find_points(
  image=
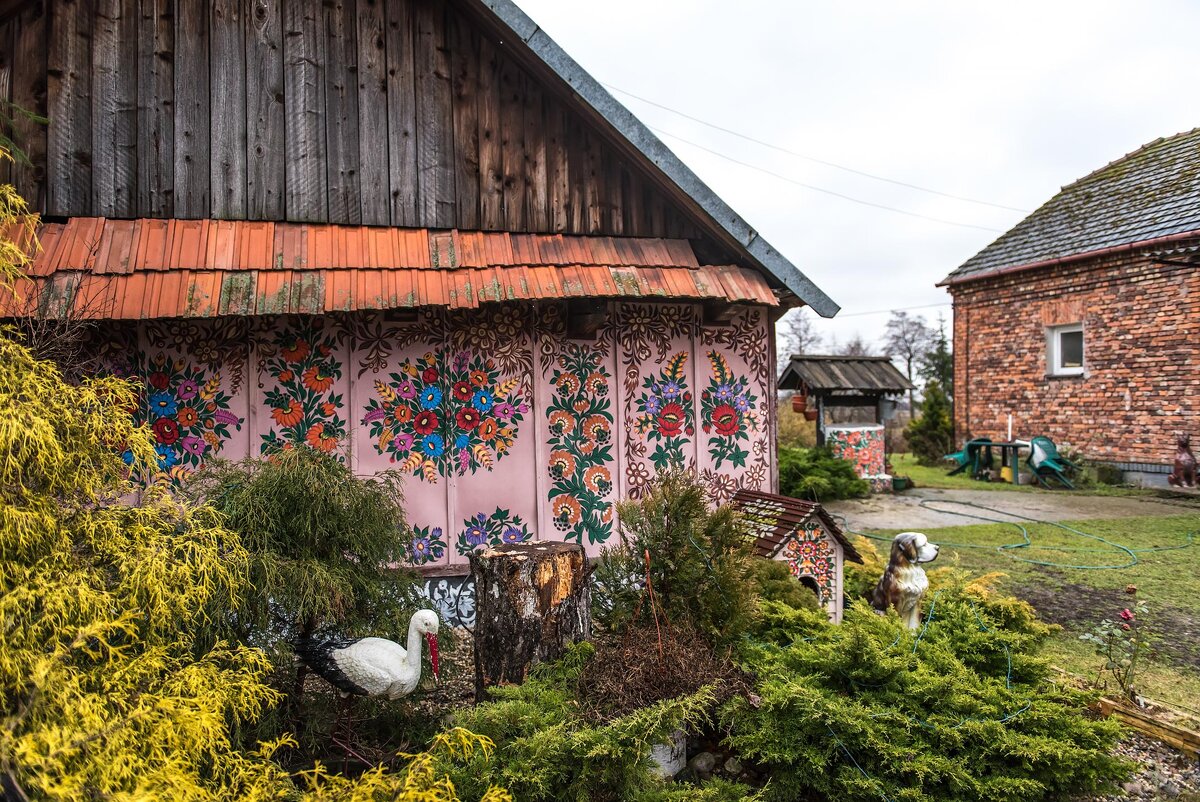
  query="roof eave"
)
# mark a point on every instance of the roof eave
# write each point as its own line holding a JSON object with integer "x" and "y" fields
{"x": 589, "y": 90}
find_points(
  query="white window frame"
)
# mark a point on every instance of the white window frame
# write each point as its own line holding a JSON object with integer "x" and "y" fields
{"x": 1054, "y": 366}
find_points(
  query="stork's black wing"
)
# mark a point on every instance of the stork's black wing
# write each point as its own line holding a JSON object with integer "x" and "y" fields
{"x": 319, "y": 656}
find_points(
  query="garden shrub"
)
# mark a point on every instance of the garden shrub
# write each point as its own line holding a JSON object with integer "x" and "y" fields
{"x": 773, "y": 581}
{"x": 931, "y": 436}
{"x": 699, "y": 562}
{"x": 960, "y": 710}
{"x": 815, "y": 473}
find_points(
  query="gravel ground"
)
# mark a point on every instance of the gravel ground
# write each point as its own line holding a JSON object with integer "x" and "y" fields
{"x": 1164, "y": 773}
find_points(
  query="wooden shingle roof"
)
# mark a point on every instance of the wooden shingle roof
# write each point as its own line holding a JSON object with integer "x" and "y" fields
{"x": 1148, "y": 196}
{"x": 770, "y": 520}
{"x": 868, "y": 375}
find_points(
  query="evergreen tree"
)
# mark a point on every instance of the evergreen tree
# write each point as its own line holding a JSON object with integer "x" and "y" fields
{"x": 937, "y": 364}
{"x": 931, "y": 436}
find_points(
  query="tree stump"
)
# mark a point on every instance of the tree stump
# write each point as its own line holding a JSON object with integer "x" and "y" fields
{"x": 531, "y": 602}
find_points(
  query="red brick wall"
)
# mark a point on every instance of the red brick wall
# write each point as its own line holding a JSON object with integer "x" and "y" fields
{"x": 1141, "y": 324}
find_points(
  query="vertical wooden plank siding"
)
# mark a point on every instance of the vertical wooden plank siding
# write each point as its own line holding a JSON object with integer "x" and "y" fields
{"x": 69, "y": 82}
{"x": 228, "y": 122}
{"x": 402, "y": 113}
{"x": 265, "y": 142}
{"x": 558, "y": 198}
{"x": 29, "y": 92}
{"x": 192, "y": 110}
{"x": 304, "y": 111}
{"x": 156, "y": 108}
{"x": 341, "y": 112}
{"x": 114, "y": 108}
{"x": 435, "y": 133}
{"x": 8, "y": 34}
{"x": 373, "y": 113}
{"x": 537, "y": 209}
{"x": 491, "y": 165}
{"x": 464, "y": 48}
{"x": 512, "y": 143}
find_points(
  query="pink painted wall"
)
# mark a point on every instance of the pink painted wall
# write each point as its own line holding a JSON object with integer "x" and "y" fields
{"x": 503, "y": 428}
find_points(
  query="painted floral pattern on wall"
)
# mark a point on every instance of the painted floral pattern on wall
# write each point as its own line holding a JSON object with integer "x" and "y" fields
{"x": 188, "y": 412}
{"x": 664, "y": 413}
{"x": 303, "y": 369}
{"x": 581, "y": 421}
{"x": 862, "y": 447}
{"x": 727, "y": 414}
{"x": 808, "y": 553}
{"x": 441, "y": 414}
{"x": 428, "y": 545}
{"x": 491, "y": 530}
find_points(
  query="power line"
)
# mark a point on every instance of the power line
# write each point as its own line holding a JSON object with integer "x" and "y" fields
{"x": 814, "y": 159}
{"x": 887, "y": 311}
{"x": 821, "y": 189}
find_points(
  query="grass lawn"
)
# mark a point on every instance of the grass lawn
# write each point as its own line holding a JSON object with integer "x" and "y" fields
{"x": 1077, "y": 598}
{"x": 922, "y": 476}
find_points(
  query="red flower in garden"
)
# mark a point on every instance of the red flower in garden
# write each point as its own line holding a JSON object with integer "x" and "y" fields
{"x": 166, "y": 430}
{"x": 316, "y": 381}
{"x": 425, "y": 422}
{"x": 158, "y": 380}
{"x": 725, "y": 420}
{"x": 1127, "y": 614}
{"x": 467, "y": 418}
{"x": 429, "y": 375}
{"x": 670, "y": 420}
{"x": 463, "y": 391}
{"x": 296, "y": 351}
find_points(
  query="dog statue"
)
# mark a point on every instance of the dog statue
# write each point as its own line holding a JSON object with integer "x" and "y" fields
{"x": 1184, "y": 474}
{"x": 904, "y": 581}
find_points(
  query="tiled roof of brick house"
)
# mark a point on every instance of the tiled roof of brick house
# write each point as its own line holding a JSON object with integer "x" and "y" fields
{"x": 1148, "y": 195}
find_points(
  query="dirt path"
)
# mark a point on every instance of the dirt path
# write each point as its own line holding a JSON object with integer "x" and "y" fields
{"x": 904, "y": 510}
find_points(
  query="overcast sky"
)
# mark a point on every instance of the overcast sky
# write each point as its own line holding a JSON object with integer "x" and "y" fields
{"x": 998, "y": 102}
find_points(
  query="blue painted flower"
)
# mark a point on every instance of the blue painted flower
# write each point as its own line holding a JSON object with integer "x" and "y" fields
{"x": 724, "y": 392}
{"x": 476, "y": 535}
{"x": 741, "y": 404}
{"x": 166, "y": 456}
{"x": 163, "y": 404}
{"x": 433, "y": 445}
{"x": 462, "y": 440}
{"x": 483, "y": 400}
{"x": 431, "y": 398}
{"x": 671, "y": 389}
{"x": 653, "y": 405}
{"x": 420, "y": 548}
{"x": 512, "y": 535}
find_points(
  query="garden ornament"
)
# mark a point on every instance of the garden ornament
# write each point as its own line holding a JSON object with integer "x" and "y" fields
{"x": 1184, "y": 474}
{"x": 904, "y": 581}
{"x": 374, "y": 666}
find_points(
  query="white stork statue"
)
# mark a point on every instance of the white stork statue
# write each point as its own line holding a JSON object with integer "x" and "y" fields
{"x": 374, "y": 666}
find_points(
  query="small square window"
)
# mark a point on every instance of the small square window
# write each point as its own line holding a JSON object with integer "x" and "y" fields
{"x": 1064, "y": 350}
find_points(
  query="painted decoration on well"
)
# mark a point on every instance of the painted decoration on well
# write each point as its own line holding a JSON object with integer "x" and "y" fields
{"x": 862, "y": 446}
{"x": 581, "y": 421}
{"x": 491, "y": 530}
{"x": 441, "y": 415}
{"x": 188, "y": 412}
{"x": 665, "y": 413}
{"x": 727, "y": 414}
{"x": 808, "y": 554}
{"x": 301, "y": 364}
{"x": 428, "y": 545}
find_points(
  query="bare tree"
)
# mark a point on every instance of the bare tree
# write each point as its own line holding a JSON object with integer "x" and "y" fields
{"x": 855, "y": 346}
{"x": 908, "y": 338}
{"x": 796, "y": 334}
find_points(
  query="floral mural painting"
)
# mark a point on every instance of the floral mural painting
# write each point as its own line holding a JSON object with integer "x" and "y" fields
{"x": 428, "y": 545}
{"x": 580, "y": 420}
{"x": 664, "y": 413}
{"x": 441, "y": 415}
{"x": 809, "y": 554}
{"x": 303, "y": 370}
{"x": 491, "y": 530}
{"x": 861, "y": 446}
{"x": 727, "y": 414}
{"x": 188, "y": 412}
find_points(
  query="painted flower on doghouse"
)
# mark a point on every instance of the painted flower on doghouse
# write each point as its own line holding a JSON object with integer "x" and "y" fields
{"x": 188, "y": 413}
{"x": 444, "y": 413}
{"x": 580, "y": 422}
{"x": 664, "y": 412}
{"x": 491, "y": 530}
{"x": 808, "y": 554}
{"x": 303, "y": 373}
{"x": 428, "y": 545}
{"x": 727, "y": 413}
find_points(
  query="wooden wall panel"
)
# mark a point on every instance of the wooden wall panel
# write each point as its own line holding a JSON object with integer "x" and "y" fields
{"x": 382, "y": 112}
{"x": 8, "y": 35}
{"x": 31, "y": 42}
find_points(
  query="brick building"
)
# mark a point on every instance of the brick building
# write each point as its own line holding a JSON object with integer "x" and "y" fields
{"x": 1083, "y": 321}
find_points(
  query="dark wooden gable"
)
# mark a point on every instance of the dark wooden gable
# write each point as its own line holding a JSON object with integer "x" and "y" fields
{"x": 376, "y": 112}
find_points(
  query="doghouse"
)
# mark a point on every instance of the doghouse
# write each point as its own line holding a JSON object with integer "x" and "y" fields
{"x": 805, "y": 536}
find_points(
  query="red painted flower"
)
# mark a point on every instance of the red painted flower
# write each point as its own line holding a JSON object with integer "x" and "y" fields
{"x": 187, "y": 417}
{"x": 562, "y": 464}
{"x": 670, "y": 420}
{"x": 725, "y": 420}
{"x": 467, "y": 418}
{"x": 166, "y": 430}
{"x": 286, "y": 376}
{"x": 317, "y": 381}
{"x": 425, "y": 422}
{"x": 317, "y": 438}
{"x": 567, "y": 511}
{"x": 289, "y": 415}
{"x": 479, "y": 378}
{"x": 327, "y": 409}
{"x": 463, "y": 391}
{"x": 429, "y": 375}
{"x": 158, "y": 380}
{"x": 296, "y": 351}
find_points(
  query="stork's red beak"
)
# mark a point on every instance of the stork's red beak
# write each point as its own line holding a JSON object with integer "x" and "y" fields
{"x": 431, "y": 639}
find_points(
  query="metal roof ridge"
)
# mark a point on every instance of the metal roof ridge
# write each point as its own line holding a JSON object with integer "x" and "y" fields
{"x": 626, "y": 124}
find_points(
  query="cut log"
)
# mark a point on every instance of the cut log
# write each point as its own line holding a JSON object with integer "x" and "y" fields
{"x": 532, "y": 601}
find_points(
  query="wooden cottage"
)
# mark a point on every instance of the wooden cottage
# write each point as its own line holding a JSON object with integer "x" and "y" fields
{"x": 805, "y": 536}
{"x": 411, "y": 233}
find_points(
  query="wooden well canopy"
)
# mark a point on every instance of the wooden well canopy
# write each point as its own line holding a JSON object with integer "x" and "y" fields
{"x": 843, "y": 381}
